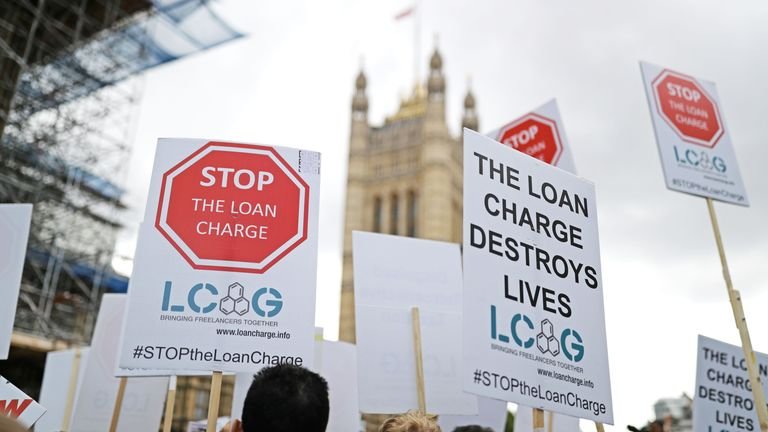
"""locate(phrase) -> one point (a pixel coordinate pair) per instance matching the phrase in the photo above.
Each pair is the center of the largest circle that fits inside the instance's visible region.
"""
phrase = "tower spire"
(360, 99)
(470, 120)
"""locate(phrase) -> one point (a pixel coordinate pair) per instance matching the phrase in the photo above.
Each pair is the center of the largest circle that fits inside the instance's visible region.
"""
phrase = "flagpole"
(416, 42)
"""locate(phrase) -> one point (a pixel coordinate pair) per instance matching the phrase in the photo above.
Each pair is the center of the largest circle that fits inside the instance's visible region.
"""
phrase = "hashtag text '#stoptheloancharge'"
(149, 352)
(513, 385)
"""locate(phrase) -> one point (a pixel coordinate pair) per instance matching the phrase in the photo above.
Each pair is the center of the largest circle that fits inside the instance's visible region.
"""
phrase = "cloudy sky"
(290, 83)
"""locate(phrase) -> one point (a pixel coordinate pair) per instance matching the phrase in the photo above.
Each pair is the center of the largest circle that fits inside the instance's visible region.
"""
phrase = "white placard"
(559, 422)
(492, 413)
(534, 323)
(55, 387)
(144, 398)
(694, 142)
(539, 133)
(723, 399)
(392, 275)
(15, 404)
(225, 269)
(242, 384)
(339, 368)
(14, 231)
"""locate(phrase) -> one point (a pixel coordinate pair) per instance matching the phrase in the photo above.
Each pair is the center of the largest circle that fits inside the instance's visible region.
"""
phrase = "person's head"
(412, 421)
(286, 398)
(472, 428)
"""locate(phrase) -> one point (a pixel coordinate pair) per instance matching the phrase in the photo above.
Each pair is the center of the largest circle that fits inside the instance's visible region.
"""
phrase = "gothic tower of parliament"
(405, 176)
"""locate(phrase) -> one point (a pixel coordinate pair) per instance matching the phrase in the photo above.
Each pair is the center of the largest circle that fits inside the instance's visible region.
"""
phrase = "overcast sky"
(290, 82)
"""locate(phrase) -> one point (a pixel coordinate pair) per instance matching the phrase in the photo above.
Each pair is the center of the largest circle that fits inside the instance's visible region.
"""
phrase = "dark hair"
(472, 428)
(286, 398)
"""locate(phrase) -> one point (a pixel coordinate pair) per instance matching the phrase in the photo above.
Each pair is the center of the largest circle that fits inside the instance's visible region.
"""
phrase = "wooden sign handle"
(741, 324)
(599, 426)
(118, 404)
(538, 420)
(170, 401)
(419, 359)
(71, 390)
(213, 401)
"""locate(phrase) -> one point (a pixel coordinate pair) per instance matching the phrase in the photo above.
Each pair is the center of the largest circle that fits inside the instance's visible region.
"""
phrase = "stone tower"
(405, 176)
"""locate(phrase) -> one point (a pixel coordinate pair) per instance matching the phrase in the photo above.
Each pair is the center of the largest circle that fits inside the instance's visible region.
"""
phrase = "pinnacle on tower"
(436, 81)
(360, 99)
(470, 120)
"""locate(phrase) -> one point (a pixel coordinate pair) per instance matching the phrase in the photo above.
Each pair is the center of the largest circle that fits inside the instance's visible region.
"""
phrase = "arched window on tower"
(413, 209)
(394, 213)
(377, 214)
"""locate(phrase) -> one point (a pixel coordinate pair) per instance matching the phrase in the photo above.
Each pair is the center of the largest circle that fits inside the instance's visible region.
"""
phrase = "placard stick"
(213, 401)
(118, 404)
(419, 359)
(600, 427)
(741, 324)
(170, 400)
(538, 420)
(550, 421)
(71, 390)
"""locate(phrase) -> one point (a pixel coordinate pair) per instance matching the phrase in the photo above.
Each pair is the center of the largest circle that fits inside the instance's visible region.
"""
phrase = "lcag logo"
(203, 298)
(699, 159)
(567, 342)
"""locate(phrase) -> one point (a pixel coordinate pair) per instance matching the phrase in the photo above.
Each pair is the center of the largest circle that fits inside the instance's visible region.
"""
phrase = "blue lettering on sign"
(192, 298)
(203, 298)
(274, 305)
(700, 159)
(571, 341)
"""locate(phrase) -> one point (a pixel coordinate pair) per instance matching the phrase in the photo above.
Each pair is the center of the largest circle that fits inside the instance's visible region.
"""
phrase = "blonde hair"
(412, 421)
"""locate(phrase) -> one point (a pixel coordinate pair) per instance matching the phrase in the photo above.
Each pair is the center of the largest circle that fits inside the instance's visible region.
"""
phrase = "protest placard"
(540, 134)
(224, 277)
(534, 324)
(142, 405)
(723, 398)
(15, 404)
(694, 142)
(392, 275)
(59, 388)
(339, 368)
(14, 231)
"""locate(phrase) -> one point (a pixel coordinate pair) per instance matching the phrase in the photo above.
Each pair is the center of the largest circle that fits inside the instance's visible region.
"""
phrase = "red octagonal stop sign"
(233, 207)
(687, 108)
(535, 136)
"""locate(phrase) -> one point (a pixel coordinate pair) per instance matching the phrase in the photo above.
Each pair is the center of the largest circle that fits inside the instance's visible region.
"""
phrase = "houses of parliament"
(405, 176)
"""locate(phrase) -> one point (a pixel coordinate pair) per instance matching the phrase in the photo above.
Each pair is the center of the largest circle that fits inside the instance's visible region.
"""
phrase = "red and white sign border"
(708, 144)
(538, 117)
(240, 266)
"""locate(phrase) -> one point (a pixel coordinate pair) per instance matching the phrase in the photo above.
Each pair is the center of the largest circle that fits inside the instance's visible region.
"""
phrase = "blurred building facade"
(68, 105)
(676, 414)
(404, 177)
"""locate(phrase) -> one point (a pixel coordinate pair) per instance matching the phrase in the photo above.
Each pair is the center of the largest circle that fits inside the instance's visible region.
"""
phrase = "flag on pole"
(405, 13)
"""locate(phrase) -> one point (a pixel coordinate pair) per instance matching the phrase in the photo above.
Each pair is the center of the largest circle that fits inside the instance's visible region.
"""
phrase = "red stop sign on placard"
(687, 108)
(535, 136)
(233, 207)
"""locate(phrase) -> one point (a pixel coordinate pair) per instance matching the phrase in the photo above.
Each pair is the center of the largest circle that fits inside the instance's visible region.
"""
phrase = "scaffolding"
(68, 104)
